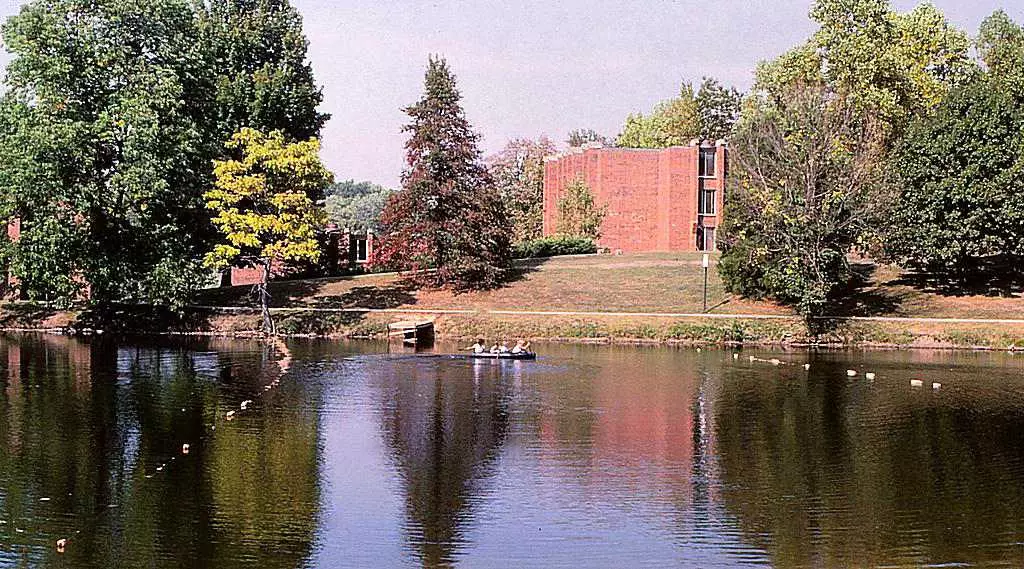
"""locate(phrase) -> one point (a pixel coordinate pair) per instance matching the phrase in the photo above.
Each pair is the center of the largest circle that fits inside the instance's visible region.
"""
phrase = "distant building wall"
(653, 196)
(344, 252)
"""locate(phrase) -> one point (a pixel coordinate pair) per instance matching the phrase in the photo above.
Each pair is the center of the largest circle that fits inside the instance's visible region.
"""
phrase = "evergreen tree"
(447, 215)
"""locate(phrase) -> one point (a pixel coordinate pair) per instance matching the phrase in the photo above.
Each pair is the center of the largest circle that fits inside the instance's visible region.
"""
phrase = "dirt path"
(714, 316)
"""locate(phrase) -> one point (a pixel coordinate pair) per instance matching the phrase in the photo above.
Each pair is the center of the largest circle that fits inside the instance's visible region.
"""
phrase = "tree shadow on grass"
(1001, 276)
(303, 293)
(26, 315)
(521, 268)
(864, 297)
(282, 293)
(376, 297)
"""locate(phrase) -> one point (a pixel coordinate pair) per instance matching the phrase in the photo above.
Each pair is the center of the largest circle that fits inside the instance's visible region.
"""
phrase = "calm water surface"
(589, 457)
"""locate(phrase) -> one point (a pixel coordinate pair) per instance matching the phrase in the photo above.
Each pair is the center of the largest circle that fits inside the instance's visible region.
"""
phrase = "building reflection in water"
(732, 464)
(585, 449)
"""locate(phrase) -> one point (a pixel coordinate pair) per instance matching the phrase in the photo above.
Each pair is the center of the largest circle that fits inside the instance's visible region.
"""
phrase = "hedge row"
(554, 246)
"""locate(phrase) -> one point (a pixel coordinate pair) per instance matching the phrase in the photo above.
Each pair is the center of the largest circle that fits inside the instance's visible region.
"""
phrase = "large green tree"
(961, 168)
(112, 115)
(803, 190)
(102, 155)
(807, 182)
(256, 51)
(447, 216)
(518, 174)
(887, 65)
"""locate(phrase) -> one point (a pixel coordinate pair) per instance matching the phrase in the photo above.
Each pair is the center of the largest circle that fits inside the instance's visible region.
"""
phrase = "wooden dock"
(413, 332)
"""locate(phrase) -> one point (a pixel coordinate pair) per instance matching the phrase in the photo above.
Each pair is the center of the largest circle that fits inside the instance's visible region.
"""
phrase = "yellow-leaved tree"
(265, 204)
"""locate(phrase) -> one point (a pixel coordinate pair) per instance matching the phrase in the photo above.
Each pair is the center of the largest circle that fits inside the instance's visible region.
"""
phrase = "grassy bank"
(641, 285)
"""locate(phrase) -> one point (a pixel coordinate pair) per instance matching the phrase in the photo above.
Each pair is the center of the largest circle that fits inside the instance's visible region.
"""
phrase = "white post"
(705, 261)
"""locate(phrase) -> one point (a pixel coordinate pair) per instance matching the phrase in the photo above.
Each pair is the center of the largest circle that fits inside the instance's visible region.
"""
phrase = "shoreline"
(883, 333)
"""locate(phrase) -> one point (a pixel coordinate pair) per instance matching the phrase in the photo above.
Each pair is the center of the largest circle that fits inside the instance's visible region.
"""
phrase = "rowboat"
(497, 356)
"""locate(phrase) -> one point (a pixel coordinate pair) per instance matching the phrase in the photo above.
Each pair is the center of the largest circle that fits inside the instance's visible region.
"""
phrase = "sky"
(536, 67)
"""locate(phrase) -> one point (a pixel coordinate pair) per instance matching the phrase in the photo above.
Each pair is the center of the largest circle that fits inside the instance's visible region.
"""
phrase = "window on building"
(361, 250)
(706, 203)
(706, 238)
(706, 166)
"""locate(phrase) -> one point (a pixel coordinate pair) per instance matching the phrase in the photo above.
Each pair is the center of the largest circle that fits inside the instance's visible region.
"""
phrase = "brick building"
(666, 199)
(344, 252)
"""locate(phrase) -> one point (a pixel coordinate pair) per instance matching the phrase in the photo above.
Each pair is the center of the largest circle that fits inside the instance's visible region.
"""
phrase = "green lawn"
(657, 282)
(626, 283)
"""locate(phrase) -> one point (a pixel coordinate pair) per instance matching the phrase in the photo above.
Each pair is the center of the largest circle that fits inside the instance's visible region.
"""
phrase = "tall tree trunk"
(261, 291)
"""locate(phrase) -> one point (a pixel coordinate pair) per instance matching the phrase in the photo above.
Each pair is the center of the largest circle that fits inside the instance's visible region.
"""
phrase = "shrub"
(554, 246)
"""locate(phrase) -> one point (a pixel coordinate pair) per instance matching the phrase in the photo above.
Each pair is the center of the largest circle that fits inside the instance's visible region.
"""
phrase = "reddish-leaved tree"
(447, 217)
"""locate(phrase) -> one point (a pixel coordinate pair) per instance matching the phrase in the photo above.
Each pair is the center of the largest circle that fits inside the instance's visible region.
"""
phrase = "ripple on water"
(592, 457)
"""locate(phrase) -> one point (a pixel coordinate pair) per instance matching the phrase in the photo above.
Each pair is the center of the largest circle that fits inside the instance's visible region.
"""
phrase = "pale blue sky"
(532, 67)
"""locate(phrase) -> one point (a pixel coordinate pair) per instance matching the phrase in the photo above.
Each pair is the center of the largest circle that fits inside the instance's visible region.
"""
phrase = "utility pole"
(705, 262)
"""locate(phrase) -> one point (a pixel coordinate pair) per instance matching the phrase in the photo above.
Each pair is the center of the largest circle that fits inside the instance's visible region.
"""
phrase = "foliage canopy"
(707, 114)
(265, 204)
(961, 169)
(802, 194)
(113, 113)
(447, 216)
(887, 65)
(356, 206)
(518, 174)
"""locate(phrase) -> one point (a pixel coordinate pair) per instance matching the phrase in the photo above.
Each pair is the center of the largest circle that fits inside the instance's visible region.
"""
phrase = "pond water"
(589, 457)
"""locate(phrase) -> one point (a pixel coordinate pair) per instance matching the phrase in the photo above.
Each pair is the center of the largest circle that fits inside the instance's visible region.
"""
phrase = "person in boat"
(521, 347)
(478, 347)
(499, 348)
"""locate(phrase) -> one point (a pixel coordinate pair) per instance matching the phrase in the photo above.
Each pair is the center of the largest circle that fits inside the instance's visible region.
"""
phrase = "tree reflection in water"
(84, 422)
(444, 424)
(826, 472)
(594, 457)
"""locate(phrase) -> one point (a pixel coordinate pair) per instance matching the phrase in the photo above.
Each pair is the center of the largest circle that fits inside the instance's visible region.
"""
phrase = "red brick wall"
(651, 194)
